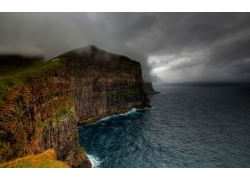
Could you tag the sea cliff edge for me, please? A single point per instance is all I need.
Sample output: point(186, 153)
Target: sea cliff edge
point(41, 105)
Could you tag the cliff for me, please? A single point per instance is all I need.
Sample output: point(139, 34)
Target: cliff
point(148, 88)
point(40, 106)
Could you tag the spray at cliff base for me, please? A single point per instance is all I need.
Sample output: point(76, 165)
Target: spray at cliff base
point(94, 160)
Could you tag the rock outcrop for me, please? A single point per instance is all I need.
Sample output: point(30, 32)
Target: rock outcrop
point(148, 88)
point(41, 106)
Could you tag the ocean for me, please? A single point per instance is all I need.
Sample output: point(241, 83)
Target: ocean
point(188, 126)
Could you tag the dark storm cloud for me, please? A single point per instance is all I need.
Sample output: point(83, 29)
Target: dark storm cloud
point(179, 46)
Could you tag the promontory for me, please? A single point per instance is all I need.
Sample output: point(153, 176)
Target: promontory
point(42, 103)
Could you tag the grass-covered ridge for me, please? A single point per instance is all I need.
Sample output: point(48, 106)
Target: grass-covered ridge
point(15, 76)
point(22, 72)
point(45, 160)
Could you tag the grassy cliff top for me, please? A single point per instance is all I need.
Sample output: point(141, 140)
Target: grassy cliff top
point(26, 70)
point(45, 160)
point(13, 75)
point(21, 71)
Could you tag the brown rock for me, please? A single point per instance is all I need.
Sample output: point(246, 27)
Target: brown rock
point(80, 87)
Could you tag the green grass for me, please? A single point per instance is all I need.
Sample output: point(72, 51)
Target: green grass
point(5, 83)
point(16, 75)
point(52, 121)
point(62, 112)
point(10, 70)
point(26, 73)
point(45, 160)
point(21, 72)
point(89, 120)
point(44, 125)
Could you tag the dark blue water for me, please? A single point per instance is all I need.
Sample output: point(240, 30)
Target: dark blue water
point(188, 126)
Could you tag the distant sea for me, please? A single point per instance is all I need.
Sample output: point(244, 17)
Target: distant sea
point(188, 126)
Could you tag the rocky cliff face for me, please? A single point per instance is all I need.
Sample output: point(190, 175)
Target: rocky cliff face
point(41, 107)
point(148, 88)
point(104, 84)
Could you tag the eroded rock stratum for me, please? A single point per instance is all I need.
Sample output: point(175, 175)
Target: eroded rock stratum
point(41, 106)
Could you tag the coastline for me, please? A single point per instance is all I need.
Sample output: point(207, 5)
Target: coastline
point(95, 160)
point(42, 105)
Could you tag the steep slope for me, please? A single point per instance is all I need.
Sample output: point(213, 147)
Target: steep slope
point(45, 160)
point(41, 106)
point(148, 88)
point(104, 84)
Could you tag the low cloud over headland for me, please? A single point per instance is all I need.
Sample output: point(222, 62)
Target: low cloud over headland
point(173, 47)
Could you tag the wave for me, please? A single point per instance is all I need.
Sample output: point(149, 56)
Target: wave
point(149, 108)
point(132, 111)
point(95, 161)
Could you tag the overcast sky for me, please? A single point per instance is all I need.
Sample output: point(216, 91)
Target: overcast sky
point(177, 47)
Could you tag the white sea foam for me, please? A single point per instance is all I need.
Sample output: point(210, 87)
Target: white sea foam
point(133, 110)
point(127, 113)
point(145, 108)
point(95, 161)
